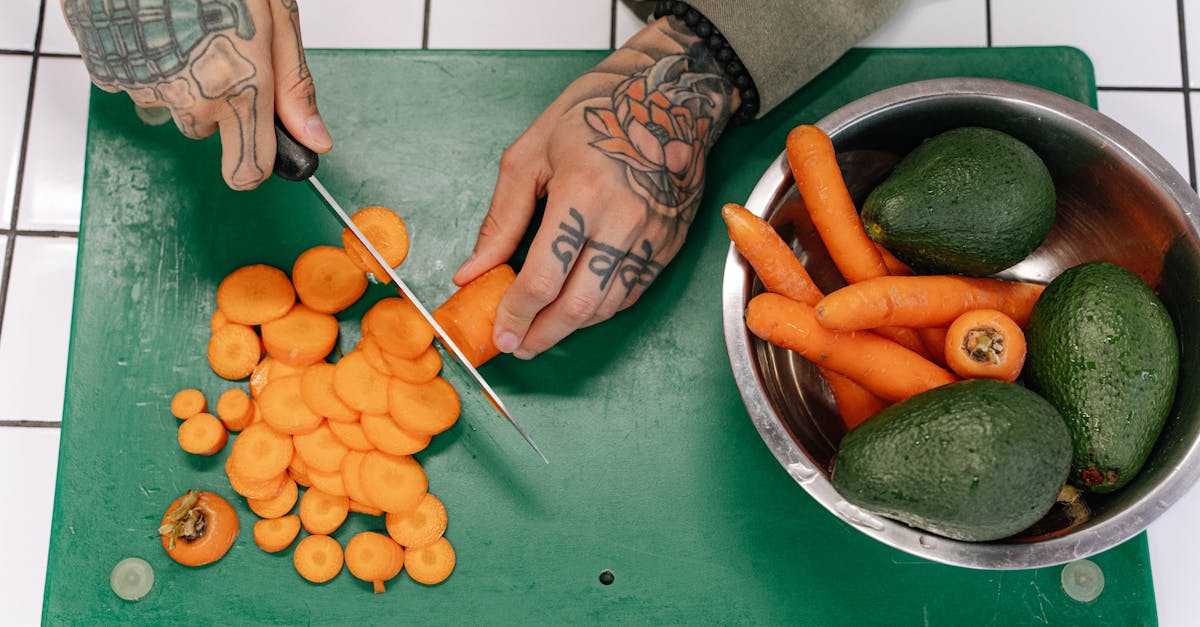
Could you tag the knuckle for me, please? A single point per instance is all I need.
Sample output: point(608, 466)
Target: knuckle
point(302, 87)
point(510, 160)
point(578, 308)
point(538, 288)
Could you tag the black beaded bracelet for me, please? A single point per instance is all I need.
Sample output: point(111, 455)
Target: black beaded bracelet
point(733, 68)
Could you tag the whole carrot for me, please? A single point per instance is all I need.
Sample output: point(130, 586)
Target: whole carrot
point(772, 259)
point(923, 301)
point(855, 404)
point(882, 366)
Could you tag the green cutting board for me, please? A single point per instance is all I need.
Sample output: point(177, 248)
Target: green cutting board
point(656, 472)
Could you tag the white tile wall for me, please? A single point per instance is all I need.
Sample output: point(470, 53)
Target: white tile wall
point(1135, 47)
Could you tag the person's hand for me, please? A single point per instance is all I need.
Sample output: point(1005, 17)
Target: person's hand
point(226, 65)
point(619, 157)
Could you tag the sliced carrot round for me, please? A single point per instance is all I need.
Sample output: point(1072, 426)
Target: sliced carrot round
point(351, 434)
point(318, 558)
point(188, 403)
point(420, 527)
point(233, 351)
point(266, 370)
point(253, 488)
point(316, 388)
point(373, 354)
point(327, 482)
point(198, 528)
point(363, 508)
point(298, 471)
point(381, 431)
point(320, 449)
point(278, 506)
point(393, 483)
point(276, 534)
point(301, 337)
point(374, 557)
point(386, 232)
point(327, 280)
point(235, 408)
point(430, 564)
point(284, 409)
point(202, 434)
point(255, 294)
point(423, 408)
point(323, 513)
point(218, 320)
point(419, 369)
point(352, 477)
point(260, 452)
point(399, 327)
point(359, 385)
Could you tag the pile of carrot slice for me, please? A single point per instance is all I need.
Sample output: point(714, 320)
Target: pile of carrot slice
point(319, 439)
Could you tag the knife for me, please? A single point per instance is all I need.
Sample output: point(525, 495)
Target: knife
point(295, 162)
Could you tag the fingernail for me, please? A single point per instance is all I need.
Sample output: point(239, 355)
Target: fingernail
point(524, 354)
point(317, 133)
point(507, 342)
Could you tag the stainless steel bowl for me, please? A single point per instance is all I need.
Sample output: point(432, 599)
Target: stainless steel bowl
point(1118, 200)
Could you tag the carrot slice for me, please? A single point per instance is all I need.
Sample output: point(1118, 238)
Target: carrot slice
point(359, 385)
point(772, 259)
point(923, 301)
point(260, 452)
point(298, 471)
point(267, 369)
point(469, 315)
point(218, 320)
point(278, 506)
point(284, 409)
point(373, 354)
point(235, 409)
point(316, 388)
point(202, 434)
point(188, 403)
point(255, 294)
point(191, 543)
point(985, 344)
point(326, 279)
point(320, 449)
point(398, 326)
point(352, 477)
point(327, 482)
point(393, 483)
point(430, 564)
point(233, 351)
point(423, 408)
point(854, 403)
point(301, 337)
point(420, 527)
point(351, 434)
point(387, 234)
point(321, 513)
point(383, 432)
point(276, 534)
point(253, 488)
point(363, 508)
point(374, 557)
point(318, 558)
point(420, 369)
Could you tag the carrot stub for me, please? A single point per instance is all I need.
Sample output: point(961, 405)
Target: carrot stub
point(198, 528)
point(188, 403)
point(985, 344)
point(235, 409)
point(923, 301)
point(326, 280)
point(393, 483)
point(430, 564)
point(322, 513)
point(283, 407)
point(318, 558)
point(202, 434)
point(399, 327)
point(772, 259)
point(233, 351)
point(301, 337)
point(387, 234)
point(420, 527)
point(469, 315)
point(423, 408)
point(276, 534)
point(278, 506)
point(255, 294)
point(374, 557)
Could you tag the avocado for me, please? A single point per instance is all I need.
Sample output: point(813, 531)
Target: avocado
point(975, 460)
point(1103, 350)
point(969, 201)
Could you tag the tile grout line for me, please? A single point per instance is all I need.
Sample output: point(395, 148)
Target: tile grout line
point(32, 424)
point(425, 27)
point(612, 31)
point(50, 233)
point(987, 16)
point(11, 244)
point(1187, 99)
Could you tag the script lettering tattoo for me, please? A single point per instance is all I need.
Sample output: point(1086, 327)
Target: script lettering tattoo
point(570, 240)
point(604, 262)
point(639, 269)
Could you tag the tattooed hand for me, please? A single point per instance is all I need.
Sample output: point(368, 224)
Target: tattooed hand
point(620, 157)
point(216, 64)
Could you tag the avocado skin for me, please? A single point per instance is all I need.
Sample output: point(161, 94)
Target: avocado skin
point(975, 460)
point(1103, 350)
point(969, 201)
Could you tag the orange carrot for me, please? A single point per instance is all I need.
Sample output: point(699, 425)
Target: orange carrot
point(253, 488)
point(284, 408)
point(923, 301)
point(384, 434)
point(326, 279)
point(218, 320)
point(188, 403)
point(423, 408)
point(233, 351)
point(327, 482)
point(318, 558)
point(814, 166)
point(985, 344)
point(469, 315)
point(276, 534)
point(387, 234)
point(363, 508)
point(351, 435)
point(266, 369)
point(854, 403)
point(301, 337)
point(255, 294)
point(420, 527)
point(908, 338)
point(398, 326)
point(316, 388)
point(235, 409)
point(202, 434)
point(321, 513)
point(359, 385)
point(430, 564)
point(320, 449)
point(352, 478)
point(934, 339)
point(393, 483)
point(772, 259)
point(374, 557)
point(260, 453)
point(882, 366)
point(191, 543)
point(278, 506)
point(895, 267)
point(298, 471)
point(369, 347)
point(420, 369)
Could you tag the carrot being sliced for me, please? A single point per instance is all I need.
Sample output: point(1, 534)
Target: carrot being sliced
point(253, 488)
point(234, 351)
point(350, 434)
point(374, 557)
point(202, 434)
point(316, 388)
point(235, 409)
point(384, 434)
point(276, 534)
point(267, 369)
point(423, 408)
point(393, 483)
point(284, 409)
point(301, 337)
point(260, 452)
point(923, 301)
point(469, 315)
point(420, 527)
point(321, 513)
point(320, 449)
point(255, 294)
point(278, 506)
point(430, 564)
point(363, 508)
point(387, 234)
point(327, 280)
point(985, 344)
point(373, 354)
point(360, 386)
point(327, 482)
point(352, 477)
point(398, 326)
point(854, 403)
point(772, 259)
point(188, 403)
point(420, 369)
point(318, 558)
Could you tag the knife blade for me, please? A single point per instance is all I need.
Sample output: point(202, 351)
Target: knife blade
point(295, 162)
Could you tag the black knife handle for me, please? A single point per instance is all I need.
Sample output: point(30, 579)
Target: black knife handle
point(293, 160)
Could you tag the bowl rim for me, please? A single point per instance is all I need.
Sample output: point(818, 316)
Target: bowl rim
point(1126, 147)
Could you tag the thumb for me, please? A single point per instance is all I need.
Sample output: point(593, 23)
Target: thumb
point(513, 203)
point(295, 94)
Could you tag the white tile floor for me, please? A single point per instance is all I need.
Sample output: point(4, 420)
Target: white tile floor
point(1137, 49)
